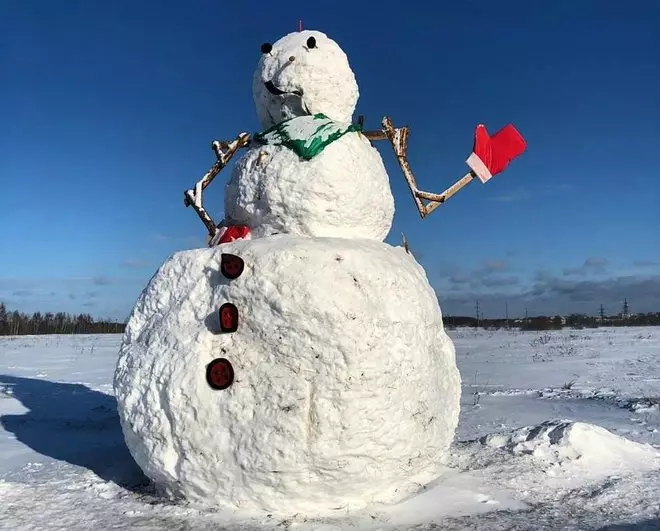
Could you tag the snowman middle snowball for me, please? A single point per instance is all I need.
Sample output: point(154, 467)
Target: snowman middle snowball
point(305, 95)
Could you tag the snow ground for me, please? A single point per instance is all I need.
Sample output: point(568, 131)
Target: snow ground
point(64, 465)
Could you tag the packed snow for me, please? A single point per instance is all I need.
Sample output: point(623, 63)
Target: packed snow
point(346, 387)
point(558, 430)
point(343, 192)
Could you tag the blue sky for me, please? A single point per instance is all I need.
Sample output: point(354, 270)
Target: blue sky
point(107, 110)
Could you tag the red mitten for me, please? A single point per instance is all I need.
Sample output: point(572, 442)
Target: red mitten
point(491, 155)
point(229, 234)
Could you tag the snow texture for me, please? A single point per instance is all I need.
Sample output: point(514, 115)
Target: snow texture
point(562, 443)
point(321, 74)
point(64, 464)
point(346, 391)
point(343, 192)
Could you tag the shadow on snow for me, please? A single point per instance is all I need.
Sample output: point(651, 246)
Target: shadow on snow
point(646, 525)
point(72, 423)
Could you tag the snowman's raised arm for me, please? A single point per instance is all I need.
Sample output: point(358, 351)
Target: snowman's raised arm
point(224, 151)
point(398, 137)
point(510, 145)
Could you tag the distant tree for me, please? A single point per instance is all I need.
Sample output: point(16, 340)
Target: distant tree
point(17, 320)
point(4, 319)
point(47, 324)
point(36, 322)
point(17, 323)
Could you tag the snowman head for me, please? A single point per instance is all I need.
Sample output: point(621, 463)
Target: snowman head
point(303, 73)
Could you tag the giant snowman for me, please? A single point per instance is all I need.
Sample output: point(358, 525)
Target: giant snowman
point(305, 369)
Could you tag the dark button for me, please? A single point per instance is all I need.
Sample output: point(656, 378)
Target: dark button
point(220, 374)
point(228, 317)
point(231, 266)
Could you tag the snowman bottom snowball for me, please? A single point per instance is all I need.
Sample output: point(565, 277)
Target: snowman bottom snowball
point(343, 389)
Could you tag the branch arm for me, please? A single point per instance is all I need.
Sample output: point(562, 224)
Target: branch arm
point(398, 137)
point(438, 199)
point(224, 151)
point(375, 135)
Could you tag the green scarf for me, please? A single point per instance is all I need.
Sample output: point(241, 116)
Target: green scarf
point(307, 136)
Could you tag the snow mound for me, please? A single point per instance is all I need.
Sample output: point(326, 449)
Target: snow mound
point(346, 389)
point(564, 442)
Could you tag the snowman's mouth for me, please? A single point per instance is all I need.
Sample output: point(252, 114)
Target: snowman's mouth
point(278, 92)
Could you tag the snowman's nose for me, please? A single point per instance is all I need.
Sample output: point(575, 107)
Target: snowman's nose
point(292, 59)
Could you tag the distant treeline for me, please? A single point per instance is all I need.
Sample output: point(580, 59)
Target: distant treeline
point(557, 322)
point(14, 323)
point(19, 324)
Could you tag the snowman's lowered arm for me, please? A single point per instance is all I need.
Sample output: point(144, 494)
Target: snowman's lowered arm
point(510, 145)
point(224, 151)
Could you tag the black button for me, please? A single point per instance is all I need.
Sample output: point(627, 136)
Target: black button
point(220, 374)
point(228, 317)
point(231, 266)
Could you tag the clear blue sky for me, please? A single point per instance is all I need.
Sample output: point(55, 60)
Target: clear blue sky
point(107, 110)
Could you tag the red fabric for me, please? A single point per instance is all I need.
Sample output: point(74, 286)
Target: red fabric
point(234, 232)
point(497, 151)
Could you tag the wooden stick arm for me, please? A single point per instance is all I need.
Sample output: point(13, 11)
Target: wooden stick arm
point(375, 135)
point(437, 199)
point(398, 137)
point(224, 151)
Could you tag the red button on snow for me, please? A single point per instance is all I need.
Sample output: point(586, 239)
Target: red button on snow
point(231, 266)
point(228, 317)
point(220, 374)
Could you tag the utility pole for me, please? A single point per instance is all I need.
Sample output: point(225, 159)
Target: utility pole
point(626, 312)
point(506, 312)
point(477, 308)
point(526, 316)
point(602, 314)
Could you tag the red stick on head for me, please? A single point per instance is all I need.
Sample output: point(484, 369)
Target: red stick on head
point(299, 25)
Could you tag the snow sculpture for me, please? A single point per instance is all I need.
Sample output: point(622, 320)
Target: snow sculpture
point(305, 80)
point(299, 364)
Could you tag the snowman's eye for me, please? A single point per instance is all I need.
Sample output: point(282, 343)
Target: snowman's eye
point(311, 42)
point(266, 47)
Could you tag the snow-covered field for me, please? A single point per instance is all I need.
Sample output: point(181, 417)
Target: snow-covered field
point(64, 465)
